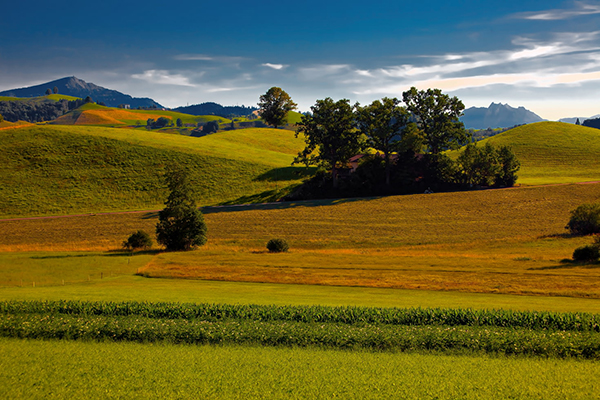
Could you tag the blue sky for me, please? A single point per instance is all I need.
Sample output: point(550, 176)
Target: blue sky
point(543, 55)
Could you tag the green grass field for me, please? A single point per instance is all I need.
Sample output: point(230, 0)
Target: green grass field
point(72, 169)
point(553, 152)
point(53, 370)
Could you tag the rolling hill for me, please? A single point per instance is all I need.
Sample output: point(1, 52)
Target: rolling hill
point(55, 169)
point(94, 114)
point(553, 152)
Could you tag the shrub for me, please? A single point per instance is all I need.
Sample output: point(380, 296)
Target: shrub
point(278, 246)
point(138, 240)
point(587, 253)
point(585, 220)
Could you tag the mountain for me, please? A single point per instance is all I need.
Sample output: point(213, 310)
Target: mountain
point(73, 86)
point(497, 116)
point(572, 120)
point(215, 109)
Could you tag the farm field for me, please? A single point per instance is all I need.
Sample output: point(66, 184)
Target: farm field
point(69, 370)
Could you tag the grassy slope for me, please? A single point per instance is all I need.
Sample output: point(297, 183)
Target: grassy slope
point(70, 169)
point(53, 97)
point(553, 152)
point(94, 114)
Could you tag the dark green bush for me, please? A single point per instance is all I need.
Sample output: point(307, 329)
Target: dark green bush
point(587, 253)
point(138, 240)
point(278, 246)
point(585, 220)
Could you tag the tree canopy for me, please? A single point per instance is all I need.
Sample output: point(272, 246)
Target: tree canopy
point(275, 105)
point(330, 134)
point(437, 117)
point(180, 224)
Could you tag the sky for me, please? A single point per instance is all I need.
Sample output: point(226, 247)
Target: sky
point(542, 55)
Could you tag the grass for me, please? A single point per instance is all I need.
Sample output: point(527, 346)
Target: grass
point(52, 369)
point(463, 241)
point(70, 169)
point(94, 114)
point(52, 97)
point(553, 152)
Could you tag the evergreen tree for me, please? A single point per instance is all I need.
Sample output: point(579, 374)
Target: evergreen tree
point(180, 224)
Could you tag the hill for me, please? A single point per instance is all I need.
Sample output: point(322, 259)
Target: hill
point(73, 86)
point(553, 152)
point(216, 109)
point(56, 169)
point(497, 116)
point(572, 120)
point(94, 114)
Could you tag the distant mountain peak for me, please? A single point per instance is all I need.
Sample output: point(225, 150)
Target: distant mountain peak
point(74, 86)
point(497, 115)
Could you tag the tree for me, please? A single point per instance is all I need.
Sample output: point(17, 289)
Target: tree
point(211, 127)
point(577, 122)
point(48, 92)
point(479, 166)
point(585, 220)
point(437, 117)
point(87, 99)
point(1, 118)
point(275, 105)
point(138, 240)
point(331, 136)
point(180, 224)
point(55, 90)
point(509, 166)
point(179, 123)
point(383, 123)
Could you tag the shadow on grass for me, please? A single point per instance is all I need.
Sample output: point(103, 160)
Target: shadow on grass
point(281, 205)
point(567, 263)
point(286, 174)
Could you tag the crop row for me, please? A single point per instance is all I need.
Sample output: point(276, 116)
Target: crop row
point(327, 335)
point(318, 314)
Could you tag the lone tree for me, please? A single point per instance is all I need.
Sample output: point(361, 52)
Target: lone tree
point(48, 92)
point(275, 105)
point(383, 123)
point(138, 240)
point(331, 136)
point(55, 90)
point(180, 224)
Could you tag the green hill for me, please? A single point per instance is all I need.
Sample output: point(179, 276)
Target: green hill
point(553, 152)
point(74, 169)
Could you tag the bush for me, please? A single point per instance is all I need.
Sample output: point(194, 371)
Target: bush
point(138, 240)
point(278, 246)
point(585, 220)
point(587, 253)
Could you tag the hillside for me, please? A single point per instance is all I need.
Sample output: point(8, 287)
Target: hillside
point(94, 114)
point(553, 152)
point(73, 86)
point(72, 169)
point(210, 108)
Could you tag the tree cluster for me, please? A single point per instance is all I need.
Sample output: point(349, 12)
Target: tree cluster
point(161, 122)
point(37, 111)
point(410, 141)
point(592, 123)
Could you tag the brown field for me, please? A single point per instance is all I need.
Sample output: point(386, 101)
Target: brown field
point(494, 241)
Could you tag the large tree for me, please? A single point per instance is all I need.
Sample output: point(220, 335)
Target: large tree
point(275, 105)
point(180, 224)
point(437, 117)
point(383, 123)
point(331, 136)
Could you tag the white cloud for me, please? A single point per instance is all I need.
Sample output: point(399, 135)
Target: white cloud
point(581, 8)
point(163, 77)
point(275, 66)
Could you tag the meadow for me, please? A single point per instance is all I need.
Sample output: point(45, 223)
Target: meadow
point(448, 253)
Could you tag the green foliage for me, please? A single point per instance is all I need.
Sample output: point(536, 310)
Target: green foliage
point(278, 246)
point(179, 123)
point(180, 225)
point(585, 220)
point(383, 123)
point(509, 166)
point(496, 332)
point(275, 105)
point(437, 117)
point(48, 92)
point(331, 136)
point(587, 253)
point(55, 90)
point(211, 127)
point(486, 166)
point(138, 240)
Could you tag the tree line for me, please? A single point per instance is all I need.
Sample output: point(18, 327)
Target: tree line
point(38, 111)
point(409, 137)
